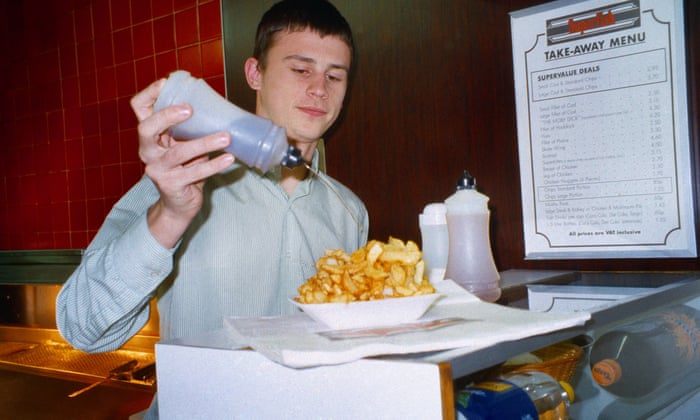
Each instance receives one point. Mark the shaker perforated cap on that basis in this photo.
(466, 182)
(292, 158)
(433, 214)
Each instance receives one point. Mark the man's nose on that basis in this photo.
(317, 87)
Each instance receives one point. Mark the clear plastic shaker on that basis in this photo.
(433, 228)
(255, 141)
(470, 260)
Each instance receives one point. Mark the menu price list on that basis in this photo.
(602, 139)
(618, 177)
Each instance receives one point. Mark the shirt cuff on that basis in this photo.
(141, 261)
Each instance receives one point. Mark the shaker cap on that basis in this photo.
(467, 199)
(433, 214)
(466, 182)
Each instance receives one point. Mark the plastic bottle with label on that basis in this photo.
(433, 228)
(255, 141)
(516, 396)
(470, 260)
(636, 359)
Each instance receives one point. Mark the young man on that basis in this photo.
(210, 237)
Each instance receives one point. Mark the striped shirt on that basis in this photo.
(244, 254)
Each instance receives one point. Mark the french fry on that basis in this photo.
(378, 270)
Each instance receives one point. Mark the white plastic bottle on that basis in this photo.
(433, 228)
(520, 395)
(470, 260)
(255, 141)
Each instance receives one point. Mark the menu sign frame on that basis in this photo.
(602, 121)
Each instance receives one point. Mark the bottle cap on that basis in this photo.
(292, 157)
(466, 182)
(606, 372)
(569, 390)
(433, 214)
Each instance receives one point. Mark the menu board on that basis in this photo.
(602, 122)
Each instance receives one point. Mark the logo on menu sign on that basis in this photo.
(614, 17)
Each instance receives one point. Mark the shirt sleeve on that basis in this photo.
(105, 301)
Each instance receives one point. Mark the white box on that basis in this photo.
(569, 298)
(196, 381)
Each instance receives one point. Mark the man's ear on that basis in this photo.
(252, 73)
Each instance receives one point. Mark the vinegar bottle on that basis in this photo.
(516, 396)
(638, 358)
(255, 141)
(470, 261)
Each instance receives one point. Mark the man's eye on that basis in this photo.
(300, 71)
(335, 78)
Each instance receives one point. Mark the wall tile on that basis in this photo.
(69, 61)
(40, 129)
(74, 154)
(58, 214)
(103, 51)
(210, 21)
(77, 212)
(91, 120)
(186, 27)
(143, 39)
(109, 153)
(123, 47)
(145, 72)
(72, 72)
(66, 30)
(164, 33)
(190, 59)
(166, 63)
(212, 58)
(95, 214)
(126, 80)
(108, 117)
(73, 123)
(121, 14)
(88, 88)
(140, 11)
(182, 4)
(131, 173)
(106, 84)
(76, 185)
(112, 180)
(61, 240)
(101, 19)
(125, 116)
(83, 24)
(86, 57)
(57, 152)
(43, 162)
(93, 183)
(161, 7)
(129, 144)
(70, 92)
(52, 96)
(55, 126)
(92, 152)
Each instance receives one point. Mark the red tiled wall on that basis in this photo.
(68, 69)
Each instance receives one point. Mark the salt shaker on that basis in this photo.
(470, 260)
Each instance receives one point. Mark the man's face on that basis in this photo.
(304, 83)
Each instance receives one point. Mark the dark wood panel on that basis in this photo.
(432, 96)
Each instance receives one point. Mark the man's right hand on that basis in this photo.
(178, 168)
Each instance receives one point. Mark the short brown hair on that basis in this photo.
(297, 15)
